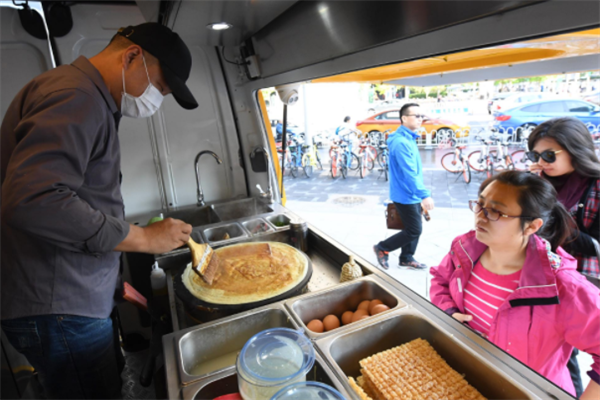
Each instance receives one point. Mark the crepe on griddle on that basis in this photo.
(250, 272)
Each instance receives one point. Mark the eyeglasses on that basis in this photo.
(416, 115)
(548, 155)
(490, 213)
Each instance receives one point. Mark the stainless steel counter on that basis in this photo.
(493, 372)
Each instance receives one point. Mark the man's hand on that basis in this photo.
(427, 204)
(166, 235)
(462, 317)
(157, 238)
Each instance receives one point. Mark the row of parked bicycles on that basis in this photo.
(372, 150)
(495, 152)
(493, 156)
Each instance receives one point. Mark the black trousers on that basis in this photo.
(408, 238)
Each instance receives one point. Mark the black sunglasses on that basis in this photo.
(548, 155)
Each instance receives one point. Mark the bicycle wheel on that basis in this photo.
(372, 152)
(520, 160)
(476, 161)
(379, 159)
(384, 164)
(489, 170)
(354, 162)
(450, 163)
(466, 170)
(294, 167)
(363, 165)
(307, 165)
(334, 165)
(510, 165)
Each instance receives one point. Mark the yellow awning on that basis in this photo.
(553, 47)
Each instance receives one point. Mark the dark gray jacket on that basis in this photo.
(62, 209)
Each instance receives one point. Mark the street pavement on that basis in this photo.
(352, 211)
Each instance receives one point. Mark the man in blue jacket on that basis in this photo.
(407, 189)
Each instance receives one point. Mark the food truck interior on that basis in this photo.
(222, 195)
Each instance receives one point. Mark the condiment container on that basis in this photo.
(299, 235)
(271, 360)
(350, 271)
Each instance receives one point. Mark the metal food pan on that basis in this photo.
(209, 342)
(279, 221)
(258, 224)
(216, 234)
(344, 352)
(338, 299)
(227, 382)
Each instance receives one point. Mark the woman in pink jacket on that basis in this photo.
(510, 281)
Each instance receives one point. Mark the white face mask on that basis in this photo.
(145, 105)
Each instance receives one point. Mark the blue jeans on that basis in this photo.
(74, 356)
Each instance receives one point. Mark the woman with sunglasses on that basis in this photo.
(563, 154)
(510, 280)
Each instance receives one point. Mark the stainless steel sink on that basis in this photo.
(195, 216)
(240, 209)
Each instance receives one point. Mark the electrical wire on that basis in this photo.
(230, 62)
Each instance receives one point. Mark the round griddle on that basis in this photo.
(204, 311)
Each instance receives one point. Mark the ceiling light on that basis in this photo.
(219, 26)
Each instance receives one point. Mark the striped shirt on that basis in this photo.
(484, 294)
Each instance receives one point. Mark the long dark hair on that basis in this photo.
(537, 199)
(574, 137)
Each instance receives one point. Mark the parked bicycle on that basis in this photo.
(488, 160)
(456, 163)
(366, 157)
(310, 158)
(335, 157)
(383, 159)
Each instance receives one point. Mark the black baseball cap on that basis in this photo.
(172, 53)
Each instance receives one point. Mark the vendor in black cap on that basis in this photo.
(62, 217)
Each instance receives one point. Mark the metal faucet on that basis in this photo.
(269, 193)
(200, 192)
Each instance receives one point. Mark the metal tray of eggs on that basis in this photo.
(344, 306)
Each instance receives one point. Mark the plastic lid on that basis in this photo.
(276, 355)
(308, 391)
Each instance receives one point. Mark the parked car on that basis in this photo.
(518, 99)
(519, 119)
(391, 120)
(497, 97)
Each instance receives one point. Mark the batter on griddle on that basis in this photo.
(250, 272)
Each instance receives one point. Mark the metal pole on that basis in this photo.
(283, 144)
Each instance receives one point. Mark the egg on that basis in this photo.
(359, 314)
(379, 308)
(331, 322)
(364, 305)
(363, 317)
(315, 325)
(347, 317)
(373, 304)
